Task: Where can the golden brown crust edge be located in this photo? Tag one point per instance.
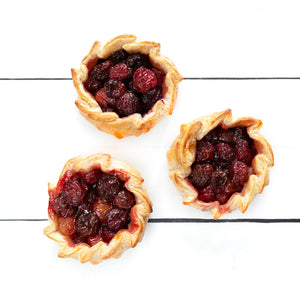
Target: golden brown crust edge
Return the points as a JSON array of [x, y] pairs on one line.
[[134, 124], [124, 239], [182, 155]]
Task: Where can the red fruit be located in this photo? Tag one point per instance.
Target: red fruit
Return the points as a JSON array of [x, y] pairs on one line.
[[160, 75], [116, 219], [106, 234], [206, 194], [218, 181], [238, 172], [224, 154], [87, 224], [119, 72], [101, 208], [205, 151], [125, 199], [66, 226], [103, 100], [127, 104], [241, 149], [100, 71], [114, 88], [144, 80], [74, 191], [93, 240], [91, 177], [201, 174]]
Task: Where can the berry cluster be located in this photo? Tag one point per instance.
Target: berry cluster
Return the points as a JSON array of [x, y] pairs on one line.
[[221, 167], [92, 206], [125, 83]]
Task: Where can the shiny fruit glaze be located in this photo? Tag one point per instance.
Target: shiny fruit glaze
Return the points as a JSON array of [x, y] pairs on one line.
[[125, 83], [222, 163], [91, 206]]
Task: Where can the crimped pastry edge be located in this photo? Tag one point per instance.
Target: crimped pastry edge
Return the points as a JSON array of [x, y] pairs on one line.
[[124, 239], [134, 124], [182, 155]]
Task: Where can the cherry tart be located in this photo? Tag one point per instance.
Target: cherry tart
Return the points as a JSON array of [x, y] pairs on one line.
[[98, 209], [219, 164], [126, 86]]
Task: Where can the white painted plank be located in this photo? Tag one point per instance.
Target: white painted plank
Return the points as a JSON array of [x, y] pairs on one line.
[[204, 38], [228, 261]]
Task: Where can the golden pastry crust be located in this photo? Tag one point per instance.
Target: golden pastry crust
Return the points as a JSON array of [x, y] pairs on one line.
[[182, 155], [134, 124], [125, 238]]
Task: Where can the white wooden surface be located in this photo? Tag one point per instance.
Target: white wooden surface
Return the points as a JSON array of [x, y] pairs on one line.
[[41, 129]]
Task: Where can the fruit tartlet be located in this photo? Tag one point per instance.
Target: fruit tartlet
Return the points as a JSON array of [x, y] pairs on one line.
[[126, 86], [98, 209], [219, 164]]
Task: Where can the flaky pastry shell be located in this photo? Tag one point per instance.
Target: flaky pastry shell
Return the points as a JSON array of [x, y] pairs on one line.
[[182, 155], [123, 239], [134, 124]]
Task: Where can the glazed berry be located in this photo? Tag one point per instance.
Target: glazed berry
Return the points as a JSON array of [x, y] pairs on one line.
[[74, 191], [238, 172], [106, 234], [61, 208], [206, 194], [66, 226], [137, 60], [241, 148], [160, 75], [144, 80], [124, 73], [224, 154], [87, 224], [116, 219], [101, 208], [150, 98], [108, 187], [119, 56], [85, 207], [205, 151], [127, 104], [100, 71], [93, 240], [119, 72], [103, 100], [240, 132], [225, 135], [229, 152], [201, 174], [114, 88], [218, 181], [91, 177], [93, 86], [125, 199]]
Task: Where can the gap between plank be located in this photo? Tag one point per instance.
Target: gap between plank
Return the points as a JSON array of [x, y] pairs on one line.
[[185, 78], [186, 220]]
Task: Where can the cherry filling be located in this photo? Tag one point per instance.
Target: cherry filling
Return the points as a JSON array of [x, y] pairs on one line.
[[92, 206], [125, 83], [222, 163]]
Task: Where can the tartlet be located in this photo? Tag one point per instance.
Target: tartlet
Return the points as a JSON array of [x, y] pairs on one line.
[[98, 209], [219, 163], [126, 86]]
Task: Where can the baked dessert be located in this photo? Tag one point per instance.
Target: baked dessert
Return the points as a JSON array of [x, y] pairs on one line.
[[219, 164], [125, 86], [98, 209]]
